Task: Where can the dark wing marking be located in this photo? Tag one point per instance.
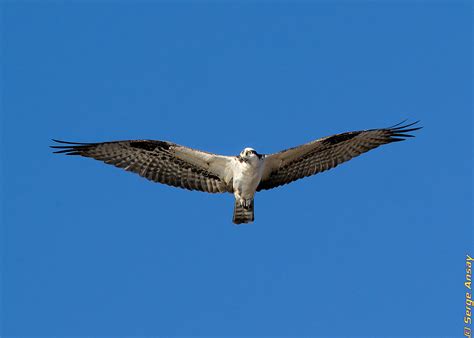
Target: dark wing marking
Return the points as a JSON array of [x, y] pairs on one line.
[[159, 161], [326, 153]]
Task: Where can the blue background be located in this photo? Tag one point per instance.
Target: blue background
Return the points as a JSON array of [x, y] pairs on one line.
[[373, 247]]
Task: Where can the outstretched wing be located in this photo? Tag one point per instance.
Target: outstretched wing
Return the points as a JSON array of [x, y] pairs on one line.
[[326, 153], [160, 161]]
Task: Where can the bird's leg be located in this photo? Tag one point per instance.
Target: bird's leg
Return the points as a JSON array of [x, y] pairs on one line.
[[244, 202]]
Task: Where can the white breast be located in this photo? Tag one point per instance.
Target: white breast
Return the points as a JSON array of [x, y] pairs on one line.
[[247, 176]]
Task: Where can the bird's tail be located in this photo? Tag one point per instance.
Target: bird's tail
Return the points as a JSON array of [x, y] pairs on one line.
[[242, 214]]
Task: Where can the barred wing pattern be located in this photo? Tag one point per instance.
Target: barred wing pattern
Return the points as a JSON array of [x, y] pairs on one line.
[[326, 153], [159, 161]]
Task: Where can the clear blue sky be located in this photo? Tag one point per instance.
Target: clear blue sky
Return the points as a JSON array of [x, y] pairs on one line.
[[373, 247]]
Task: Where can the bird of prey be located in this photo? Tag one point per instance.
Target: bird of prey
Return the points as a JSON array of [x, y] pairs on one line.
[[242, 175]]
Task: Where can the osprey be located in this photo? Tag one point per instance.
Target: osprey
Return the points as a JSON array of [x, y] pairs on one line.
[[242, 175]]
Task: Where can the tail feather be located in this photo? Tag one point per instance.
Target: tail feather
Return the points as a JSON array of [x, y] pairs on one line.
[[241, 214]]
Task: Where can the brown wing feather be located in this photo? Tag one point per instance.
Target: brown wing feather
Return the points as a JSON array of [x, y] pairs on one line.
[[158, 161], [326, 153]]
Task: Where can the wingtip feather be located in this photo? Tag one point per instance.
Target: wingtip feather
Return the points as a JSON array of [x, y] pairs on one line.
[[400, 131]]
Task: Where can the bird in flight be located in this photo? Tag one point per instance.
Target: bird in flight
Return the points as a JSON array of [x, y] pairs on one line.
[[242, 175]]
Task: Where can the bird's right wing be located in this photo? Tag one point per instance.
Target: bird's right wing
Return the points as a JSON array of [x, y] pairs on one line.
[[160, 161], [326, 153]]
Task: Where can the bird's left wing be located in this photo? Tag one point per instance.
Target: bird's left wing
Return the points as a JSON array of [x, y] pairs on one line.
[[160, 161], [326, 153]]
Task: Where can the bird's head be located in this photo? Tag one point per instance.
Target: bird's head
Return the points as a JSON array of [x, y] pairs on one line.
[[249, 154]]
